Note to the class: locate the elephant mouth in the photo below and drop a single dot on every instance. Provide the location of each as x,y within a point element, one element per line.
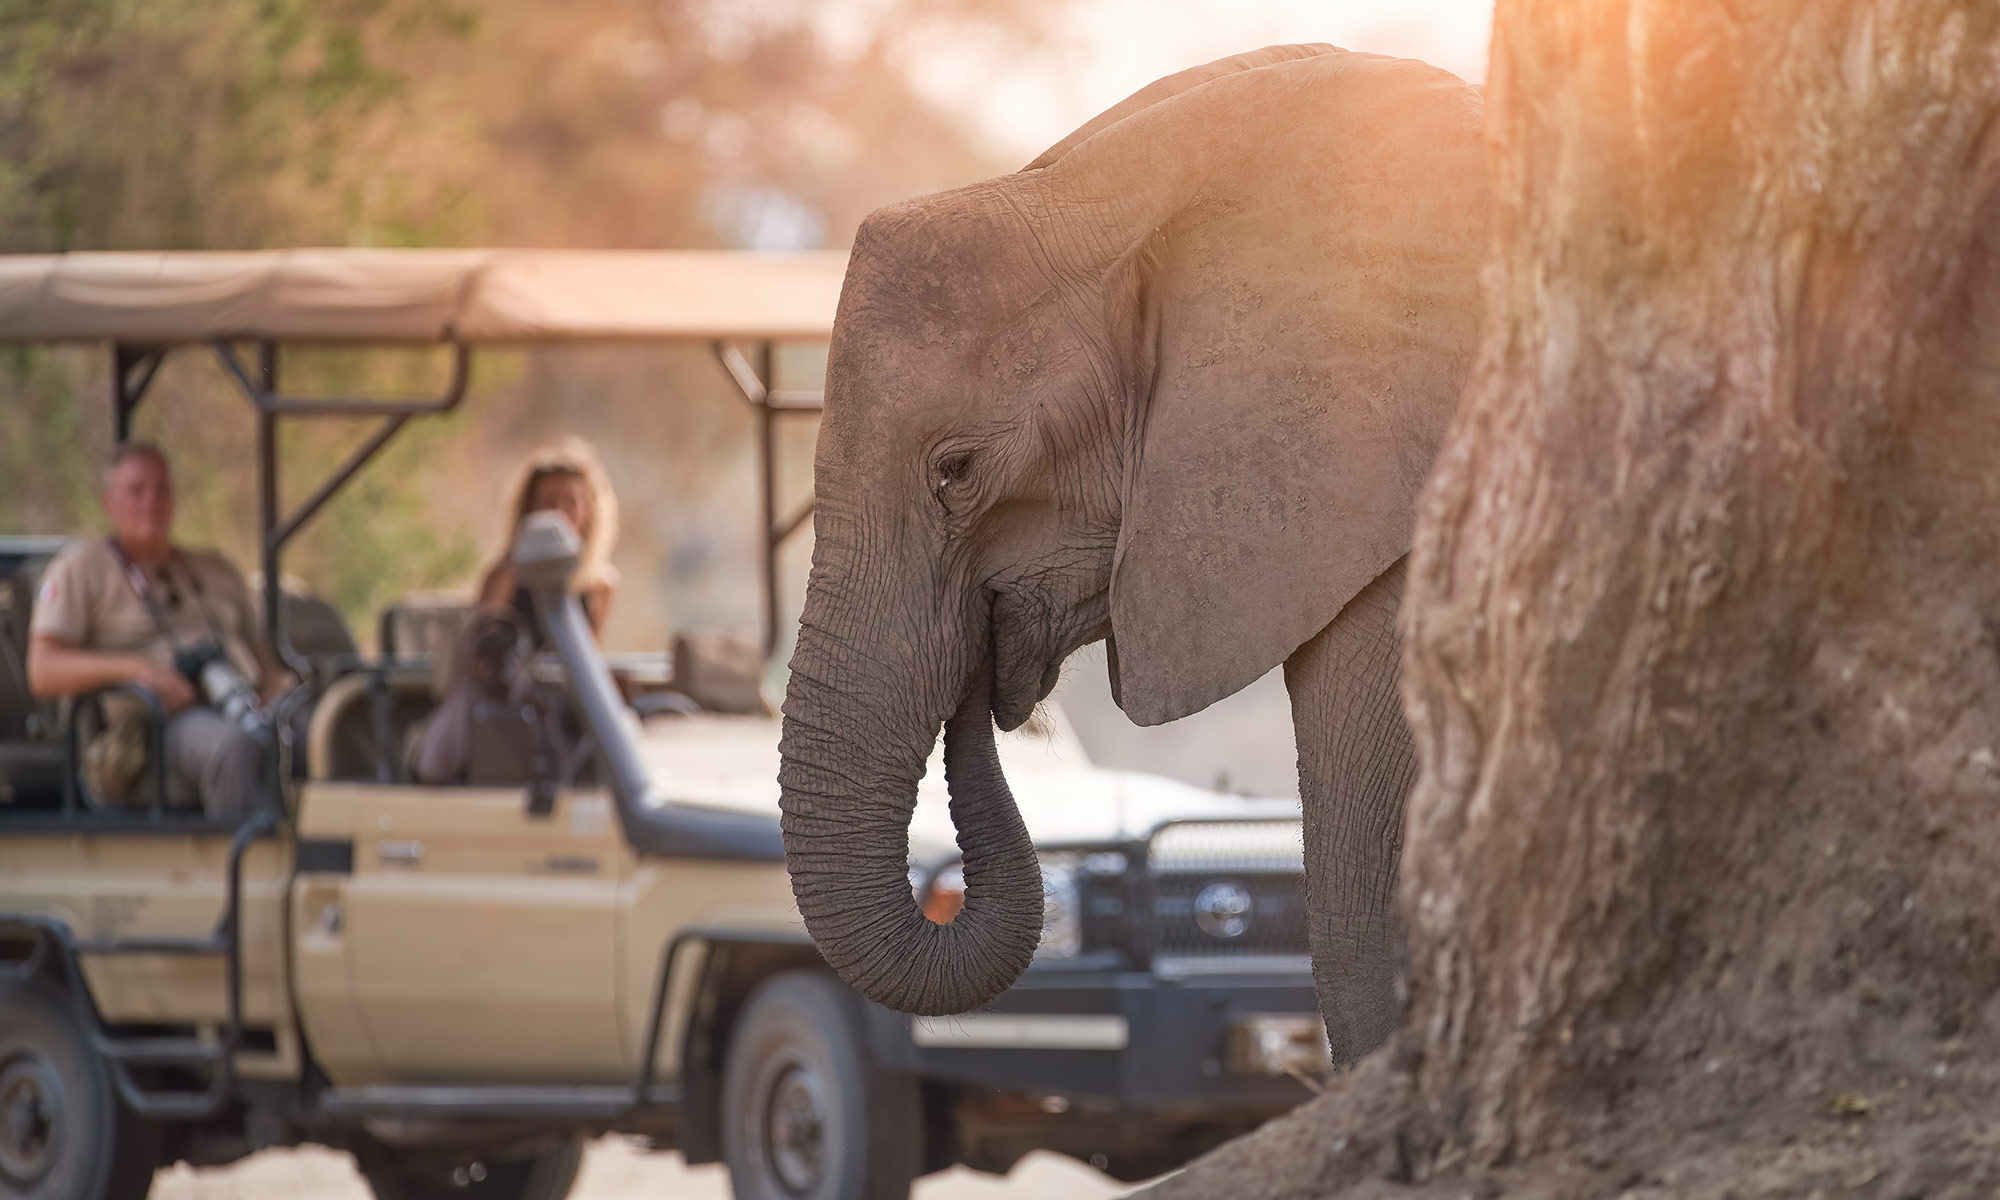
<point>1029,650</point>
<point>1013,705</point>
<point>1023,677</point>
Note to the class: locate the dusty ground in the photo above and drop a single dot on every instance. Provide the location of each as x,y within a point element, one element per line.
<point>1874,1133</point>
<point>613,1170</point>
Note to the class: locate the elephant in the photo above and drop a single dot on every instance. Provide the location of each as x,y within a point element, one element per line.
<point>1176,385</point>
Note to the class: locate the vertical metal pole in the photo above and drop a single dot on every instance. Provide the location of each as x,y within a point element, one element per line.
<point>267,496</point>
<point>767,495</point>
<point>121,404</point>
<point>132,371</point>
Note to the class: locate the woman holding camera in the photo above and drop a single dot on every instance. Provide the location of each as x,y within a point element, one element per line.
<point>565,477</point>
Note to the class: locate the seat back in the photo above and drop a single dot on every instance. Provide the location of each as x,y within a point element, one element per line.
<point>363,723</point>
<point>31,753</point>
<point>424,625</point>
<point>316,629</point>
<point>22,716</point>
<point>721,674</point>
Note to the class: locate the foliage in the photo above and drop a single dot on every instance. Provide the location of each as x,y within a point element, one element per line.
<point>191,124</point>
<point>218,124</point>
<point>44,461</point>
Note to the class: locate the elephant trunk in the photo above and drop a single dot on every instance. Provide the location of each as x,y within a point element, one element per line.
<point>847,802</point>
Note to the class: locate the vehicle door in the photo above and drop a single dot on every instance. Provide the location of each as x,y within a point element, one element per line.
<point>478,936</point>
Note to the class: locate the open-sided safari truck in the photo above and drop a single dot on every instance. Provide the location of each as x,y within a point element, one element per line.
<point>460,984</point>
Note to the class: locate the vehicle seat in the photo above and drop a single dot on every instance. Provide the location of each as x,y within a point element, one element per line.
<point>314,628</point>
<point>17,704</point>
<point>31,758</point>
<point>346,738</point>
<point>721,675</point>
<point>317,632</point>
<point>424,625</point>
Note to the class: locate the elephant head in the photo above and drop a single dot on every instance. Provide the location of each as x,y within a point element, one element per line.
<point>1177,383</point>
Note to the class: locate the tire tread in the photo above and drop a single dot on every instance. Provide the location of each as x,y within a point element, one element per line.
<point>890,1102</point>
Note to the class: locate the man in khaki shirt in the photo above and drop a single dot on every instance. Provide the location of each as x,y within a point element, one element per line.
<point>114,610</point>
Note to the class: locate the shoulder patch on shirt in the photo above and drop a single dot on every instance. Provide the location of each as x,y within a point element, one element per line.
<point>50,591</point>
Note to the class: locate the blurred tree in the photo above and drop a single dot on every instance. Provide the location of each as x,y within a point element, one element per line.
<point>186,124</point>
<point>214,124</point>
<point>195,124</point>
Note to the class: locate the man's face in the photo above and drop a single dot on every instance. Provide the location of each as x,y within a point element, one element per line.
<point>139,499</point>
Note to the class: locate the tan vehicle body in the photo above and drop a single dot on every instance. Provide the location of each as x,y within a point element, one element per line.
<point>471,941</point>
<point>100,885</point>
<point>475,942</point>
<point>518,948</point>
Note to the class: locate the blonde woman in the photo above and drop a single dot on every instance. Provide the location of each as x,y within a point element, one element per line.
<point>566,477</point>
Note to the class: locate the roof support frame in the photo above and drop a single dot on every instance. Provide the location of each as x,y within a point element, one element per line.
<point>134,366</point>
<point>754,376</point>
<point>263,394</point>
<point>132,371</point>
<point>275,530</point>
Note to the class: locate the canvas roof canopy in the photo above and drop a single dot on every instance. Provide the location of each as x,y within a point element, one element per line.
<point>147,303</point>
<point>365,295</point>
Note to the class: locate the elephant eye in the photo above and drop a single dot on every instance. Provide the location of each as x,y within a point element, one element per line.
<point>949,471</point>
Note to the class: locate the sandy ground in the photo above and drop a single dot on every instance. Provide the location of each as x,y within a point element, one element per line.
<point>614,1169</point>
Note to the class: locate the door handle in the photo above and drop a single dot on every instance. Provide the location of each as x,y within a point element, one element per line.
<point>406,853</point>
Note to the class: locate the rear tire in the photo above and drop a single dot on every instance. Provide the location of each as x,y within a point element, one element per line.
<point>63,1133</point>
<point>420,1175</point>
<point>806,1114</point>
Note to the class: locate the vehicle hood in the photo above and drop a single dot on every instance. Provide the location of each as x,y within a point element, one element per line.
<point>732,762</point>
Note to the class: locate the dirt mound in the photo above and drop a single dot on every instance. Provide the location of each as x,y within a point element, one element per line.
<point>1890,1136</point>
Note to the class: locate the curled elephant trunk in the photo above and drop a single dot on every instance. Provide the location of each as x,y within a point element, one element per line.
<point>847,803</point>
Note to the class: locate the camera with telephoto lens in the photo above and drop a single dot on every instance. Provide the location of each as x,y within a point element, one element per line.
<point>206,665</point>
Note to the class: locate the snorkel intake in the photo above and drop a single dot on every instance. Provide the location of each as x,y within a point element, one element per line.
<point>547,551</point>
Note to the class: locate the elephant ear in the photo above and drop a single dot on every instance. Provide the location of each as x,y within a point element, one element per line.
<point>1310,273</point>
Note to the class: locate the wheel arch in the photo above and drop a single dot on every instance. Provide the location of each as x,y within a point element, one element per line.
<point>53,1026</point>
<point>43,949</point>
<point>731,971</point>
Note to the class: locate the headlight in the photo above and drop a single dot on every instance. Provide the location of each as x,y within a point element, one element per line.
<point>1062,909</point>
<point>1062,903</point>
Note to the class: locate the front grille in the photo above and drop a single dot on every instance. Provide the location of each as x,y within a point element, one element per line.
<point>1228,888</point>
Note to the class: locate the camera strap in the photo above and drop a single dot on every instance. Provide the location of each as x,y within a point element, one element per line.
<point>135,578</point>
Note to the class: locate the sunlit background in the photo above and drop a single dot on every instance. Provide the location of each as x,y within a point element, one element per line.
<point>755,124</point>
<point>1104,50</point>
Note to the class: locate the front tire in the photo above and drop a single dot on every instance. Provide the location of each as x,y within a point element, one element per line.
<point>806,1114</point>
<point>420,1175</point>
<point>63,1133</point>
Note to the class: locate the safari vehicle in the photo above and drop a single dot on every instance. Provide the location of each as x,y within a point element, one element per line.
<point>461,984</point>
